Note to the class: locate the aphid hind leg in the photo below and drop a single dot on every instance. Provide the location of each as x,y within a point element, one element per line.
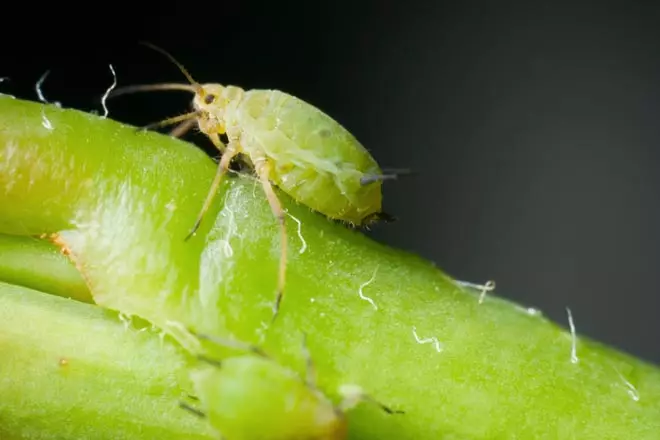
<point>263,170</point>
<point>223,167</point>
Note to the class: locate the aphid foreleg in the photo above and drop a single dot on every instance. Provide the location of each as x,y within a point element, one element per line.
<point>215,139</point>
<point>263,170</point>
<point>223,167</point>
<point>183,128</point>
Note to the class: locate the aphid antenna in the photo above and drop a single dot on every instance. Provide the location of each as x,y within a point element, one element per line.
<point>151,88</point>
<point>193,85</point>
<point>169,56</point>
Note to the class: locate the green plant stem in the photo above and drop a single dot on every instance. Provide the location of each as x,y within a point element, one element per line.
<point>122,202</point>
<point>38,264</point>
<point>70,370</point>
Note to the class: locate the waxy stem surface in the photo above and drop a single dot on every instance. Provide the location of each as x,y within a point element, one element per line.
<point>119,203</point>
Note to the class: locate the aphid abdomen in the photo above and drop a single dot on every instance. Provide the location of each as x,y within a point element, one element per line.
<point>316,161</point>
<point>318,190</point>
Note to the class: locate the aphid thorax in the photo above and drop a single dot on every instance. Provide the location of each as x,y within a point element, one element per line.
<point>215,106</point>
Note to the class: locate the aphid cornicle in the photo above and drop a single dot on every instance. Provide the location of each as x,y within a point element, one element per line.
<point>288,143</point>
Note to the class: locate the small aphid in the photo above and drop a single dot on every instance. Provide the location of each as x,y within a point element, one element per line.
<point>290,144</point>
<point>252,397</point>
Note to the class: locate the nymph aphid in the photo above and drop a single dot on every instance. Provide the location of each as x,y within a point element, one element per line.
<point>289,144</point>
<point>251,396</point>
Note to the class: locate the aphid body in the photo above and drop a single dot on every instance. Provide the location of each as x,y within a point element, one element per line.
<point>311,157</point>
<point>254,398</point>
<point>288,143</point>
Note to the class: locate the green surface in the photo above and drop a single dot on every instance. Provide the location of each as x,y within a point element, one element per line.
<point>37,264</point>
<point>122,202</point>
<point>70,370</point>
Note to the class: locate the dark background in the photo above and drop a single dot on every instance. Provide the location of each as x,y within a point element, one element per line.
<point>533,126</point>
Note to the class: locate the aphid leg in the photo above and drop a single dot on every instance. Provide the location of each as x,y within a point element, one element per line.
<point>191,409</point>
<point>263,169</point>
<point>182,128</point>
<point>223,167</point>
<point>354,395</point>
<point>232,343</point>
<point>170,121</point>
<point>173,60</point>
<point>215,139</point>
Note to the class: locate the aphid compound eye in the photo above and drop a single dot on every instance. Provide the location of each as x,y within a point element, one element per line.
<point>209,99</point>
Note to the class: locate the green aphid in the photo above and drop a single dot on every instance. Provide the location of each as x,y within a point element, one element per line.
<point>252,397</point>
<point>288,143</point>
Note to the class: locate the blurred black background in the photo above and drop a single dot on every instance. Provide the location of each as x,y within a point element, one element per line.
<point>534,127</point>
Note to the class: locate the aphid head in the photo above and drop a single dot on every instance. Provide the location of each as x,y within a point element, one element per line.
<point>210,98</point>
